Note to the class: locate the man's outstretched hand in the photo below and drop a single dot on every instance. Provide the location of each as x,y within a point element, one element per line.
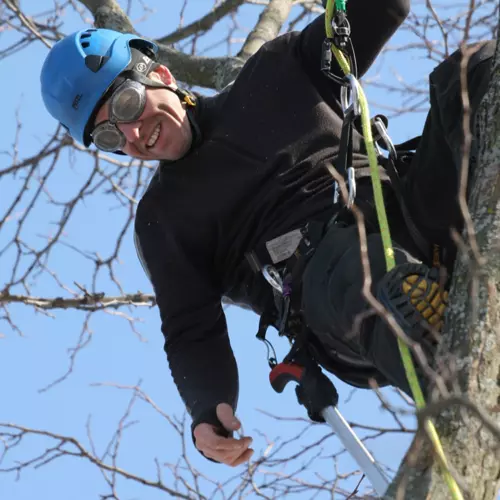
<point>226,450</point>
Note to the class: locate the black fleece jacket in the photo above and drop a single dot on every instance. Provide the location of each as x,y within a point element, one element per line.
<point>258,172</point>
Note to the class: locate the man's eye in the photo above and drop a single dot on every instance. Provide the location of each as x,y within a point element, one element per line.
<point>127,104</point>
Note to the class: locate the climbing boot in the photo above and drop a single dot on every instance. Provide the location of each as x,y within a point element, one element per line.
<point>414,295</point>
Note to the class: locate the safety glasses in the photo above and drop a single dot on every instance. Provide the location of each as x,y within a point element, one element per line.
<point>126,105</point>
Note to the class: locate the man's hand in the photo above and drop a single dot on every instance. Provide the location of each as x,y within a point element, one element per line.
<point>226,450</point>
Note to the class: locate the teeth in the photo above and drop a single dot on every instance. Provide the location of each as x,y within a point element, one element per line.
<point>154,137</point>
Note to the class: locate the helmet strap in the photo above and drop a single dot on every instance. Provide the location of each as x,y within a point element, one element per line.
<point>185,96</point>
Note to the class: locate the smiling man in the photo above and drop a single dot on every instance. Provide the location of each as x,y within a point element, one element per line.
<point>118,97</point>
<point>245,183</point>
<point>159,128</point>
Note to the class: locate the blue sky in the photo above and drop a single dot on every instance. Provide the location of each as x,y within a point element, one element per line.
<point>115,354</point>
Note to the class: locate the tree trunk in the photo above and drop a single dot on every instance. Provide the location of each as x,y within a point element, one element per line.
<point>470,439</point>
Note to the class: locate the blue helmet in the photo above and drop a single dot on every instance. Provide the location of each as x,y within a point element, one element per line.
<point>80,69</point>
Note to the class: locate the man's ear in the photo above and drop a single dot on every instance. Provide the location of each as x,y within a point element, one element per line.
<point>162,74</point>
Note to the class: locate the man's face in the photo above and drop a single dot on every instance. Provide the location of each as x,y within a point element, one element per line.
<point>163,131</point>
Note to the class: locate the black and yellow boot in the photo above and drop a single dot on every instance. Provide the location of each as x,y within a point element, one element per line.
<point>413,294</point>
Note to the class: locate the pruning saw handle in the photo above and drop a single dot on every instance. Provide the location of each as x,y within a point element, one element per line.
<point>315,390</point>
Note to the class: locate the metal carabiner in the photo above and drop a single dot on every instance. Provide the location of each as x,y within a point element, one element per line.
<point>382,130</point>
<point>351,185</point>
<point>351,188</point>
<point>350,93</point>
<point>336,193</point>
<point>273,277</point>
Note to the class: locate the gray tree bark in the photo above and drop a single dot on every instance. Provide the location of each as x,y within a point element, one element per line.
<point>468,424</point>
<point>267,28</point>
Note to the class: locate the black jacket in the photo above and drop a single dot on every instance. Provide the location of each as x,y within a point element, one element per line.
<point>258,173</point>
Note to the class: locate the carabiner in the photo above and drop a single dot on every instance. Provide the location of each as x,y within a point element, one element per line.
<point>349,92</point>
<point>351,188</point>
<point>351,185</point>
<point>273,277</point>
<point>382,130</point>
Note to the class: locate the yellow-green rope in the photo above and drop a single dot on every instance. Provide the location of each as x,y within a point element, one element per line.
<point>408,364</point>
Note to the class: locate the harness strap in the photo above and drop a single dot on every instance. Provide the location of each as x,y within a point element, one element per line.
<point>422,243</point>
<point>286,279</point>
<point>393,164</point>
<point>260,256</point>
<point>409,145</point>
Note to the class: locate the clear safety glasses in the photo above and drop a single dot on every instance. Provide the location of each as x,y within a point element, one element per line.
<point>126,105</point>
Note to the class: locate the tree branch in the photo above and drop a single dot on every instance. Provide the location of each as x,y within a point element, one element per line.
<point>87,302</point>
<point>69,446</point>
<point>108,14</point>
<point>203,24</point>
<point>267,28</point>
<point>209,72</point>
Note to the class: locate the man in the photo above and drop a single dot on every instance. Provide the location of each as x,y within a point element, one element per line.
<point>243,176</point>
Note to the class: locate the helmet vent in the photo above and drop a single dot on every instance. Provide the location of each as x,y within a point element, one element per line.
<point>93,62</point>
<point>85,44</point>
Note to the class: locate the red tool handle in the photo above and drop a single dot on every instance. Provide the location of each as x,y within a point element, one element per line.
<point>283,373</point>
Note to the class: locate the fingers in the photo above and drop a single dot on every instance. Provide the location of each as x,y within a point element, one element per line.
<point>231,458</point>
<point>226,417</point>
<point>206,435</point>
<point>227,450</point>
<point>244,457</point>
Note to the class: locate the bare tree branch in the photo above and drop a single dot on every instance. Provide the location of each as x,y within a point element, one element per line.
<point>89,302</point>
<point>213,73</point>
<point>267,28</point>
<point>69,446</point>
<point>203,24</point>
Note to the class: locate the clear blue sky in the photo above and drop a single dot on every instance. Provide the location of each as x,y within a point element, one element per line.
<point>115,354</point>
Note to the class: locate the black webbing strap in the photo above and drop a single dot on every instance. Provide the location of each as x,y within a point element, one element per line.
<point>409,145</point>
<point>393,164</point>
<point>425,247</point>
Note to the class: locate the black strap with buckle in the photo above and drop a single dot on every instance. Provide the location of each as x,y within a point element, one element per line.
<point>286,280</point>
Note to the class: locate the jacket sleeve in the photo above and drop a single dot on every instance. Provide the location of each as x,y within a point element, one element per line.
<point>372,25</point>
<point>193,322</point>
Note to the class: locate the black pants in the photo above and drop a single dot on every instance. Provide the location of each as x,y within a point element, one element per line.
<point>360,345</point>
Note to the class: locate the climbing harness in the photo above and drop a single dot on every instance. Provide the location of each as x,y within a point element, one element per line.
<point>315,391</point>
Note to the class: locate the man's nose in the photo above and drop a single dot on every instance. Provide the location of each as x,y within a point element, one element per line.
<point>130,130</point>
